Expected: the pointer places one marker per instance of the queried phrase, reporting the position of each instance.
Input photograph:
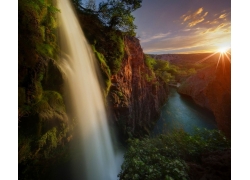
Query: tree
(116, 14)
(90, 4)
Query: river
(182, 112)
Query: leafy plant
(149, 61)
(164, 156)
(116, 14)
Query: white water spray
(87, 101)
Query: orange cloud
(214, 29)
(223, 16)
(194, 18)
(199, 11)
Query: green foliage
(117, 14)
(148, 76)
(165, 70)
(106, 74)
(164, 156)
(115, 54)
(106, 41)
(191, 71)
(51, 106)
(109, 48)
(149, 61)
(43, 126)
(37, 92)
(37, 29)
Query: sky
(183, 26)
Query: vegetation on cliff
(105, 29)
(44, 129)
(43, 125)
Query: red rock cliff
(136, 94)
(211, 88)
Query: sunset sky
(183, 26)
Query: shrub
(115, 51)
(164, 156)
(150, 62)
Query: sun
(224, 54)
(223, 50)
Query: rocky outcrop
(136, 94)
(211, 88)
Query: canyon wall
(211, 88)
(136, 94)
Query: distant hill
(188, 60)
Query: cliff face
(211, 88)
(136, 94)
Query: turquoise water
(181, 112)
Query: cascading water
(78, 65)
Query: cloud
(222, 16)
(175, 43)
(193, 42)
(224, 26)
(157, 36)
(185, 30)
(194, 18)
(214, 21)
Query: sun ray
(229, 59)
(218, 60)
(200, 61)
(224, 54)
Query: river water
(182, 112)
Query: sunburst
(224, 53)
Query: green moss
(115, 60)
(49, 138)
(37, 28)
(105, 71)
(55, 99)
(51, 106)
(37, 92)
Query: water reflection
(181, 112)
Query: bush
(164, 156)
(114, 51)
(150, 62)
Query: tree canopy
(115, 14)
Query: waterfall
(78, 64)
